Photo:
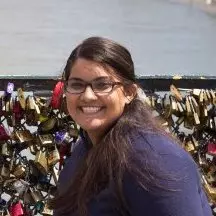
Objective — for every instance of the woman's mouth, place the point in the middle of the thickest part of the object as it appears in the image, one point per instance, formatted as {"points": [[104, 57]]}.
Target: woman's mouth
{"points": [[91, 109]]}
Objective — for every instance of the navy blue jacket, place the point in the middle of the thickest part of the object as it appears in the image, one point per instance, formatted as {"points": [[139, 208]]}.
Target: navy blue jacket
{"points": [[163, 156]]}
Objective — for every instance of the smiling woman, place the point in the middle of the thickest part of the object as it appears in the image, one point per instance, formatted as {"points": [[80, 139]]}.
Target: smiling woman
{"points": [[124, 163], [97, 105]]}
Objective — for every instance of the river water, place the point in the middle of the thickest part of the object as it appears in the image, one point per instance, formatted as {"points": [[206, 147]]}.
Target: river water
{"points": [[165, 37]]}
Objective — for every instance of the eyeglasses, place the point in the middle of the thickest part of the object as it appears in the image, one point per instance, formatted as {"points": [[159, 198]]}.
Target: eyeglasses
{"points": [[75, 86]]}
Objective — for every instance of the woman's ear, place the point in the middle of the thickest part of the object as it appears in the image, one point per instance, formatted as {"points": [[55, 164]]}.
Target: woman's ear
{"points": [[130, 92]]}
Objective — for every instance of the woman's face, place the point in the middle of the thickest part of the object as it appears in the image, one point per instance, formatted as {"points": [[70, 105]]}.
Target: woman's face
{"points": [[95, 113]]}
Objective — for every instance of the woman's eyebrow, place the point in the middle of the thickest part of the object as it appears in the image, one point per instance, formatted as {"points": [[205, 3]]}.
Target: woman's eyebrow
{"points": [[96, 79], [76, 78], [102, 78]]}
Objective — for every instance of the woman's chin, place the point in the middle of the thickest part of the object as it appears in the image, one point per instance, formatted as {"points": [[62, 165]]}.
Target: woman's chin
{"points": [[92, 126]]}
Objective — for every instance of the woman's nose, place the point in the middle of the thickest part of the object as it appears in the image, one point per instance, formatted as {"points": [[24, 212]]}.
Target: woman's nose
{"points": [[88, 94]]}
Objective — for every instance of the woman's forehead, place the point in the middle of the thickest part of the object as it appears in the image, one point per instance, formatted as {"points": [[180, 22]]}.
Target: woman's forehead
{"points": [[83, 68]]}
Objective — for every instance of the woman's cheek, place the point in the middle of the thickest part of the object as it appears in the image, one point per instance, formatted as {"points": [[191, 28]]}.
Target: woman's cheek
{"points": [[70, 106]]}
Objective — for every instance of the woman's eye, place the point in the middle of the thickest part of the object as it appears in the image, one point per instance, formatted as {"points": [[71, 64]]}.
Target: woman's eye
{"points": [[102, 85], [76, 85]]}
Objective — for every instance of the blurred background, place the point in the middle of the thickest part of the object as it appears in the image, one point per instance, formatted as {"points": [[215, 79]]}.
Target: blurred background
{"points": [[165, 37]]}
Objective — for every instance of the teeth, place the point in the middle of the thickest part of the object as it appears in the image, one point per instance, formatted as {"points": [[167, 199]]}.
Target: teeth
{"points": [[91, 109]]}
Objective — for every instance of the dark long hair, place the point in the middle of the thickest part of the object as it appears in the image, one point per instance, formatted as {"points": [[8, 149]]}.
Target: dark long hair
{"points": [[109, 160]]}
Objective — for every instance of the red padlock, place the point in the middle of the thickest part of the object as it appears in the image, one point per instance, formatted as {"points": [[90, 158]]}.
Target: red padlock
{"points": [[16, 209], [57, 94], [212, 148], [18, 111], [4, 135]]}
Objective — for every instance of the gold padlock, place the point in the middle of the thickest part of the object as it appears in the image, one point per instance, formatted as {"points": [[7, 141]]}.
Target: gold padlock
{"points": [[19, 171], [48, 125], [53, 156], [41, 162], [194, 110], [55, 174], [211, 191], [5, 150], [27, 198], [189, 146], [201, 96], [45, 139], [176, 93], [30, 103], [213, 97], [23, 135], [188, 106], [9, 105], [4, 171], [20, 95], [47, 210], [167, 106], [36, 194], [196, 92]]}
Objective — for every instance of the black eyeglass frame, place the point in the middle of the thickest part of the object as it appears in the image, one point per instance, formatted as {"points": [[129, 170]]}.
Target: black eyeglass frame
{"points": [[113, 84]]}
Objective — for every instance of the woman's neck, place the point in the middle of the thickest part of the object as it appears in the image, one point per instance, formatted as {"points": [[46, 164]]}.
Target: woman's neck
{"points": [[94, 137]]}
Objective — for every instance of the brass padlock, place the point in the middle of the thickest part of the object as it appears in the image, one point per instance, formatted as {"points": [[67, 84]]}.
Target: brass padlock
{"points": [[47, 210], [53, 156], [37, 108], [4, 171], [189, 146], [31, 112], [55, 174], [201, 96], [196, 92], [212, 93], [176, 93], [27, 198], [47, 125], [208, 96], [6, 150], [30, 103], [9, 106], [204, 111], [19, 170], [188, 106], [36, 194], [20, 95], [45, 139], [167, 106], [23, 135], [173, 103], [195, 105], [195, 142], [210, 190], [41, 162], [194, 111], [205, 97], [180, 107]]}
